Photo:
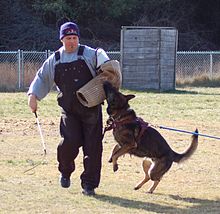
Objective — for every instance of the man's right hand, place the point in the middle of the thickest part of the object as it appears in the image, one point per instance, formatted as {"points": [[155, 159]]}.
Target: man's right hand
{"points": [[32, 102]]}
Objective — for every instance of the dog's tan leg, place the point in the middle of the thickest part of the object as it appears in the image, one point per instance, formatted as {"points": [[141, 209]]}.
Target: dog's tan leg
{"points": [[115, 149], [122, 151], [153, 186], [146, 166]]}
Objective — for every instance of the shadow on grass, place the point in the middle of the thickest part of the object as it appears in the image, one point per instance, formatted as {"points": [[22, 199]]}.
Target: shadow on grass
{"points": [[198, 205], [182, 91], [202, 205]]}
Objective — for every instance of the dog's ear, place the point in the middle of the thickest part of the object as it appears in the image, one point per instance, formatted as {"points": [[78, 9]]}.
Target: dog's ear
{"points": [[129, 97]]}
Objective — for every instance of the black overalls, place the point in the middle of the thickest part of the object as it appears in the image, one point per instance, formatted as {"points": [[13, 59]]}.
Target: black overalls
{"points": [[79, 125]]}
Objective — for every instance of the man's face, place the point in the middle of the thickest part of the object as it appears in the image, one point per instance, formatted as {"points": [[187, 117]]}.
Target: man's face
{"points": [[70, 43]]}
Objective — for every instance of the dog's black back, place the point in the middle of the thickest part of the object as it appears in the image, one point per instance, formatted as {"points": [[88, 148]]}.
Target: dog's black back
{"points": [[152, 144]]}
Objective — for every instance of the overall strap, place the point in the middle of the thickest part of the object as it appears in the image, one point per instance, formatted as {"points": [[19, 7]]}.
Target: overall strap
{"points": [[80, 56], [80, 52], [81, 49], [57, 55]]}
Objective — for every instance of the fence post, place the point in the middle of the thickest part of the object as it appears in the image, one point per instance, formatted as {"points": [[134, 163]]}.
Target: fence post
{"points": [[19, 69], [211, 61], [22, 69], [46, 54]]}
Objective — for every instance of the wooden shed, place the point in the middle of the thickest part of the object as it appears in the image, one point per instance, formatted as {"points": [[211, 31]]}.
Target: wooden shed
{"points": [[148, 57]]}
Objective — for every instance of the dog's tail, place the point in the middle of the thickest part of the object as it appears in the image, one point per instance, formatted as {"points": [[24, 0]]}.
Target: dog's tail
{"points": [[189, 151]]}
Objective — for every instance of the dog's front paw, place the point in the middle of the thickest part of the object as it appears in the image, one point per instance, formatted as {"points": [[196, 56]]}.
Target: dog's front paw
{"points": [[115, 167]]}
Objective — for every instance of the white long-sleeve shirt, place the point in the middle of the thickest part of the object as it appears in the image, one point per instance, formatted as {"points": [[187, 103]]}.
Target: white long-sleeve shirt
{"points": [[44, 79]]}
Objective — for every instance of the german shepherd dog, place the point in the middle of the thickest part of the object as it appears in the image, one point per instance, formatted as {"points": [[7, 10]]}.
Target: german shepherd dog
{"points": [[136, 137]]}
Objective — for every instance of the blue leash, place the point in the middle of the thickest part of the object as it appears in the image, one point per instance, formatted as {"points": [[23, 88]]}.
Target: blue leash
{"points": [[188, 132]]}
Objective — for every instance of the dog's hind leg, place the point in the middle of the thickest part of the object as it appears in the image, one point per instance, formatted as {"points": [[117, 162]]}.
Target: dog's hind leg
{"points": [[146, 164], [158, 168], [115, 149], [153, 186]]}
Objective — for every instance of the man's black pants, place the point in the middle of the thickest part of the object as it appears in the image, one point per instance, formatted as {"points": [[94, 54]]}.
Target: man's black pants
{"points": [[81, 127]]}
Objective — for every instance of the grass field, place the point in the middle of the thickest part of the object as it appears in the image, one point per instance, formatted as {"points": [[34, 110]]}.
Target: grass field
{"points": [[29, 182]]}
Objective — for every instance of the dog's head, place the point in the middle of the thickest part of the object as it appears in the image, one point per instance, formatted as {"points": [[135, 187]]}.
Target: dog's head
{"points": [[115, 99]]}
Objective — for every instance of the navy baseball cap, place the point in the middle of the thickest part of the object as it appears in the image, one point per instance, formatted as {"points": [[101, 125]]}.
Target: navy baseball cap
{"points": [[69, 28]]}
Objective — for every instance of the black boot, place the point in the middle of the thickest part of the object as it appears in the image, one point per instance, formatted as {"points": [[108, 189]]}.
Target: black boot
{"points": [[88, 190], [64, 181]]}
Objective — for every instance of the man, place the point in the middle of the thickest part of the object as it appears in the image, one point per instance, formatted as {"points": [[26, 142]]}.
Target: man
{"points": [[71, 67]]}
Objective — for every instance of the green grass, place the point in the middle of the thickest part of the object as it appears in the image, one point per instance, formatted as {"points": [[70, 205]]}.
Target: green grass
{"points": [[29, 183]]}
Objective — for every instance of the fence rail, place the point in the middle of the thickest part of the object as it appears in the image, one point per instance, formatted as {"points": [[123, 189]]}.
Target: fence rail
{"points": [[18, 68]]}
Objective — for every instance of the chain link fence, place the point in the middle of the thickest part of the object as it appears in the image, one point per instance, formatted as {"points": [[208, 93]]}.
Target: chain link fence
{"points": [[195, 64], [9, 67], [18, 68]]}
